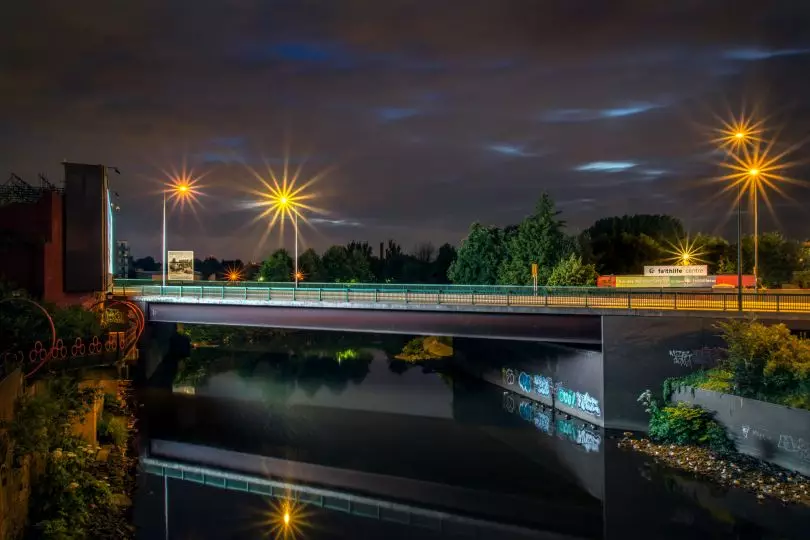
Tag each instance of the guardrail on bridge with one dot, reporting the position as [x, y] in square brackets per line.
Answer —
[473, 295]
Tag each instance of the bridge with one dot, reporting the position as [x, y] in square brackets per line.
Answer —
[641, 337]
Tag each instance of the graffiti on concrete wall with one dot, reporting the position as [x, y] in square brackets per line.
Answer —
[528, 410]
[527, 382]
[577, 400]
[585, 438]
[705, 356]
[795, 445]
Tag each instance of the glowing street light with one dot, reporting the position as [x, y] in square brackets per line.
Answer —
[285, 200]
[686, 253]
[181, 190]
[756, 172]
[233, 274]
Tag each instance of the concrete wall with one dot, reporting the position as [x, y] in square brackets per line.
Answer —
[774, 433]
[640, 352]
[569, 379]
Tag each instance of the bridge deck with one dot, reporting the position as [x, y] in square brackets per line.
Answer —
[488, 299]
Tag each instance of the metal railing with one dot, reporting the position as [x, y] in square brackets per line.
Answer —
[474, 295]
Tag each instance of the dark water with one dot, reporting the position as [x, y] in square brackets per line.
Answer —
[378, 449]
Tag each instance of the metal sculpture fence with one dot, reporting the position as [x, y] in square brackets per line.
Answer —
[115, 347]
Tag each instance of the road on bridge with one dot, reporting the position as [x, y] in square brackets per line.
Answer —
[558, 298]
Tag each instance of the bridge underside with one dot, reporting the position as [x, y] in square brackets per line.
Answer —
[580, 329]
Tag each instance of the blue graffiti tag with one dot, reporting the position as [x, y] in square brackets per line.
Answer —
[584, 402]
[525, 382]
[526, 410]
[542, 385]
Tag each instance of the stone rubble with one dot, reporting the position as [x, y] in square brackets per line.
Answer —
[737, 470]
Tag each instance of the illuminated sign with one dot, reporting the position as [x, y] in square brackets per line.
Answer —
[693, 270]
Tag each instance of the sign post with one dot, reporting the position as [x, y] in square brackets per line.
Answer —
[534, 277]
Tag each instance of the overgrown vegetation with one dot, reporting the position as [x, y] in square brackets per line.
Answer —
[74, 495]
[764, 362]
[685, 424]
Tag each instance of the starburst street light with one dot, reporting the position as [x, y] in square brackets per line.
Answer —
[756, 171]
[283, 199]
[734, 134]
[686, 252]
[182, 189]
[233, 274]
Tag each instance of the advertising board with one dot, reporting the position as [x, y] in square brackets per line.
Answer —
[692, 270]
[181, 266]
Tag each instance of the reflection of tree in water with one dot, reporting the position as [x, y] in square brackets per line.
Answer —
[283, 372]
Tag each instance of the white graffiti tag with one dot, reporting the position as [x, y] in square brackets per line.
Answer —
[795, 445]
[508, 376]
[588, 403]
[682, 358]
[589, 441]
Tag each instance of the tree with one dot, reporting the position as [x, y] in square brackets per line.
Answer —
[147, 264]
[212, 265]
[479, 257]
[424, 252]
[441, 265]
[623, 245]
[344, 266]
[310, 264]
[571, 272]
[278, 267]
[539, 239]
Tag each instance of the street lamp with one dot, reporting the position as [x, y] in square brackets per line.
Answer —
[182, 189]
[734, 136]
[285, 201]
[757, 171]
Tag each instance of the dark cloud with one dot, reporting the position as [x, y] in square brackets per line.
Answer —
[427, 115]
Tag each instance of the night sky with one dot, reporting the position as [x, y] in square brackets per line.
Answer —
[425, 116]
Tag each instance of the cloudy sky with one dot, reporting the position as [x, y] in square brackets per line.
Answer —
[422, 116]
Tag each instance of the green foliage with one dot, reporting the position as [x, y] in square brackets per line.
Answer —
[716, 380]
[41, 420]
[342, 265]
[277, 268]
[68, 496]
[801, 278]
[623, 245]
[75, 321]
[539, 239]
[571, 272]
[480, 256]
[767, 362]
[685, 424]
[415, 346]
[310, 264]
[113, 428]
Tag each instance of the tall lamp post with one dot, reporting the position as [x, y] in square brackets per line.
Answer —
[181, 191]
[288, 206]
[753, 173]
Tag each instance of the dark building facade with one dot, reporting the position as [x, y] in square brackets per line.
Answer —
[56, 243]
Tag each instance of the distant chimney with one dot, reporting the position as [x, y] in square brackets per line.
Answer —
[382, 252]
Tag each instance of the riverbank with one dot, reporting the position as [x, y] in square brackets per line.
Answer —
[72, 445]
[733, 470]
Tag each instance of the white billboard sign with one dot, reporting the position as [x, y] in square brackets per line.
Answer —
[692, 270]
[181, 266]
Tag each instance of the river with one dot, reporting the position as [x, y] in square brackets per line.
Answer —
[375, 448]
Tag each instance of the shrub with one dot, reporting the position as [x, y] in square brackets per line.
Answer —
[685, 424]
[767, 362]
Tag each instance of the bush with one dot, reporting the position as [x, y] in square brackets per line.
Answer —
[113, 428]
[571, 272]
[767, 362]
[685, 424]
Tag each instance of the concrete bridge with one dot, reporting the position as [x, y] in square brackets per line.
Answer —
[624, 342]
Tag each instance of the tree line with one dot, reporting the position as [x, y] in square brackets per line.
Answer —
[490, 255]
